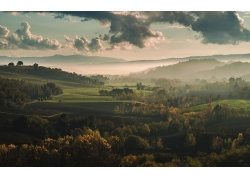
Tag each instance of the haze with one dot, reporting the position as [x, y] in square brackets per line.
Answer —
[128, 36]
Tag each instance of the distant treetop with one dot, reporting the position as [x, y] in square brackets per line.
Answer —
[19, 63]
[11, 64]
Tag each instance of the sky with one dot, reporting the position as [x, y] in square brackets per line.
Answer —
[129, 35]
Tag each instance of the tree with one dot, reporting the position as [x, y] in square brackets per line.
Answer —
[190, 141]
[35, 65]
[32, 125]
[11, 64]
[217, 144]
[63, 124]
[145, 130]
[92, 150]
[19, 63]
[135, 143]
[238, 141]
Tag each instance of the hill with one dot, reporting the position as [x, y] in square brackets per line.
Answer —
[180, 69]
[236, 69]
[112, 66]
[44, 73]
[60, 59]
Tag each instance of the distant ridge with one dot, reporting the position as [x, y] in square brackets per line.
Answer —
[180, 69]
[115, 66]
[98, 59]
[236, 69]
[71, 59]
[219, 57]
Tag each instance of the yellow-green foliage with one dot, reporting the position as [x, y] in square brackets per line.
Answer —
[86, 150]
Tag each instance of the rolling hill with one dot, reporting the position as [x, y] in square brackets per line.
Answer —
[180, 69]
[236, 69]
[113, 66]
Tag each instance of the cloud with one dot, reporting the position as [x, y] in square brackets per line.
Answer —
[123, 27]
[24, 39]
[41, 14]
[214, 27]
[13, 13]
[4, 31]
[71, 19]
[183, 18]
[3, 45]
[221, 28]
[192, 40]
[85, 19]
[83, 44]
[120, 46]
[135, 27]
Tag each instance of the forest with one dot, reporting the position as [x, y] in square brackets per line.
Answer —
[53, 118]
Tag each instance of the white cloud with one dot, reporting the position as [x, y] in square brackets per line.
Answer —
[24, 39]
[120, 46]
[151, 42]
[14, 13]
[84, 45]
[70, 19]
[41, 14]
[3, 45]
[4, 31]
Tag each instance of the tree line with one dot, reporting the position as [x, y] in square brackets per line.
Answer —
[15, 93]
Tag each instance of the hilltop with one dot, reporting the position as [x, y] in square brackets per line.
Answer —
[32, 73]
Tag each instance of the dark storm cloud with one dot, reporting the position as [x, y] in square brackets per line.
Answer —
[221, 27]
[180, 17]
[102, 16]
[105, 38]
[85, 19]
[214, 27]
[24, 39]
[123, 28]
[134, 27]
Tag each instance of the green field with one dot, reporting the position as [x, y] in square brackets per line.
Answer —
[39, 80]
[72, 91]
[233, 103]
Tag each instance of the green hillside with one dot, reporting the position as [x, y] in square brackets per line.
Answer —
[233, 103]
[74, 90]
